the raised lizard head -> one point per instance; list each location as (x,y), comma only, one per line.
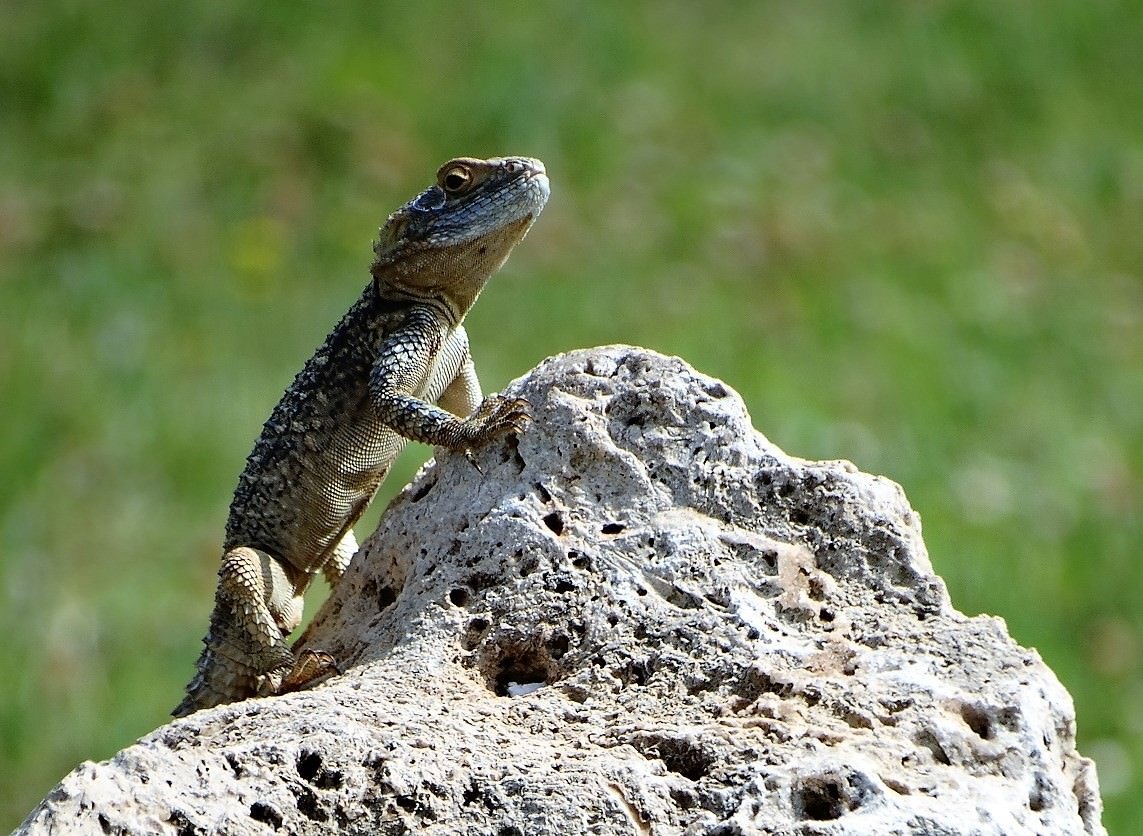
(447,241)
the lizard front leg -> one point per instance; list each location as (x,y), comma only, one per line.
(462,398)
(338,560)
(405,366)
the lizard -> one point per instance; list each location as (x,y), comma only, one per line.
(396,368)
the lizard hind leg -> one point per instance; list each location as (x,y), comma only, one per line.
(312,666)
(256,605)
(265,604)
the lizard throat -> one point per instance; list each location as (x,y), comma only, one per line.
(457,272)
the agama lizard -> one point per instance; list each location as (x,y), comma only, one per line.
(373,384)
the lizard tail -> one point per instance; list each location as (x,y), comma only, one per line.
(217,681)
(222,676)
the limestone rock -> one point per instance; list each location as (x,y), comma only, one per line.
(642,617)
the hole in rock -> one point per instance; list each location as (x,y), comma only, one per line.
(829,796)
(386,595)
(266,814)
(927,740)
(309,765)
(684,799)
(180,820)
(754,683)
(471,793)
(554,522)
(308,804)
(481,580)
(474,632)
(516,662)
(526,562)
(517,671)
(821,800)
(311,768)
(1040,796)
(612,528)
(458,597)
(232,762)
(716,389)
(679,754)
(977,720)
(635,672)
(558,646)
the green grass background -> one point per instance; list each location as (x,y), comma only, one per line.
(910,234)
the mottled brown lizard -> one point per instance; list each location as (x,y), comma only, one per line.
(396,368)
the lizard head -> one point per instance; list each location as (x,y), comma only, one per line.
(448,240)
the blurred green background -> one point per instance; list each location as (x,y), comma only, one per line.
(910,234)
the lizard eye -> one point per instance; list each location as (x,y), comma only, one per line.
(456,179)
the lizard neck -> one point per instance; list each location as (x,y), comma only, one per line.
(449,274)
(385,299)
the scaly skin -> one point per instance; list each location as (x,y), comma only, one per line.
(396,368)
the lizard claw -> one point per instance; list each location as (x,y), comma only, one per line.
(499,415)
(311,667)
(496,416)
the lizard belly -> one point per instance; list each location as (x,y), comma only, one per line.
(340,487)
(314,474)
(359,456)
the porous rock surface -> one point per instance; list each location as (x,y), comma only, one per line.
(642,618)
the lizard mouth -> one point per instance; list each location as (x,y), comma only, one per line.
(537,175)
(540,179)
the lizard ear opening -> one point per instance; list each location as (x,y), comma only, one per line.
(430,200)
(388,238)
